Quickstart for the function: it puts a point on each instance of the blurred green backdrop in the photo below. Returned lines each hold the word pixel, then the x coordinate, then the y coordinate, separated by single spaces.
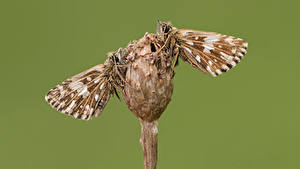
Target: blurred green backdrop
pixel 247 118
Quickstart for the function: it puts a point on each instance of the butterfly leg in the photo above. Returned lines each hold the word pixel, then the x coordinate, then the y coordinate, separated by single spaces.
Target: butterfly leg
pixel 176 52
pixel 165 44
pixel 119 74
pixel 116 90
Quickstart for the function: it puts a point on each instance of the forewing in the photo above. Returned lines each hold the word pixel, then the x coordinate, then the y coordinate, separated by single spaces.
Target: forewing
pixel 211 52
pixel 81 96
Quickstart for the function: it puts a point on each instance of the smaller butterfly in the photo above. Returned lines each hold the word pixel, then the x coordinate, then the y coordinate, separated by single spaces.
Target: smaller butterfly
pixel 86 94
pixel 209 52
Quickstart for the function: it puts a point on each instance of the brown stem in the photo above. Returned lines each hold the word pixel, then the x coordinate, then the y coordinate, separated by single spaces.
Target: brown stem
pixel 149 143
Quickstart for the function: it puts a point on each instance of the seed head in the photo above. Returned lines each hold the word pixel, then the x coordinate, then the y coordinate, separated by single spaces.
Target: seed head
pixel 149 78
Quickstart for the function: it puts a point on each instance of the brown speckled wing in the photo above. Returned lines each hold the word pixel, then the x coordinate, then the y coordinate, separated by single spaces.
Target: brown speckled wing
pixel 83 95
pixel 210 52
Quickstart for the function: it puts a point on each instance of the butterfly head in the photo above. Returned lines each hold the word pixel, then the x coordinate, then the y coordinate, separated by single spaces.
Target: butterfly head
pixel 116 58
pixel 163 27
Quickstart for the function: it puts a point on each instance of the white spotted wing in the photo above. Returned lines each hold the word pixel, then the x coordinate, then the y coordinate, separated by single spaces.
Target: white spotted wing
pixel 83 95
pixel 210 52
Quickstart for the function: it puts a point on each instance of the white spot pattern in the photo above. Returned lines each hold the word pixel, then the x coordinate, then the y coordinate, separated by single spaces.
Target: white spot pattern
pixel 211 39
pixel 209 46
pixel 69 109
pixel 219 71
pixel 84 92
pixel 209 70
pixel 226 57
pixel 75 85
pixel 198 58
pixel 243 50
pixel 188 50
pixel 190 43
pixel 101 86
pixel 97 81
pixel 96 97
pixel 206 51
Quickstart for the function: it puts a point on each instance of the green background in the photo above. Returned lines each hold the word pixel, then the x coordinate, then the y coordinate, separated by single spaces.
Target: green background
pixel 247 118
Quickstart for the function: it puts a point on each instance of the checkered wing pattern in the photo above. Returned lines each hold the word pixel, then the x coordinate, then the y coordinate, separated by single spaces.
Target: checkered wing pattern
pixel 82 96
pixel 210 52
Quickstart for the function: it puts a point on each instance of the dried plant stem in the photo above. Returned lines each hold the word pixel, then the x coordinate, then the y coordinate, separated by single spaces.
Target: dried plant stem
pixel 149 143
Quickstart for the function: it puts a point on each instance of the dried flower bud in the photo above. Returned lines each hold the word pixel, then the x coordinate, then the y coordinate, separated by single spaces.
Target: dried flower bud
pixel 149 78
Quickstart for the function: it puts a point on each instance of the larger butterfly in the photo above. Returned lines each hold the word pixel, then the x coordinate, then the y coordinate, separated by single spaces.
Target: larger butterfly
pixel 86 94
pixel 209 52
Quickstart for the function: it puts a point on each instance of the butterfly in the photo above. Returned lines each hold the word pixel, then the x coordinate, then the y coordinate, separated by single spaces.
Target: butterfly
pixel 210 52
pixel 86 94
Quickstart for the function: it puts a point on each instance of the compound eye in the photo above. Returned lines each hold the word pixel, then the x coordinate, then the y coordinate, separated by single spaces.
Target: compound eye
pixel 153 49
pixel 167 29
pixel 117 59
